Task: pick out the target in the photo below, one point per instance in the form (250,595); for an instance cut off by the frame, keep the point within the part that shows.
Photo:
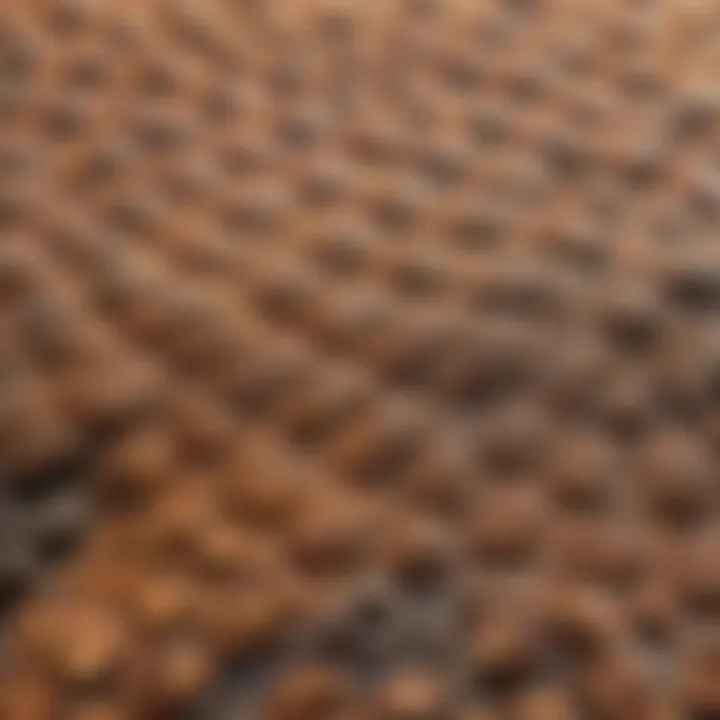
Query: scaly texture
(361,355)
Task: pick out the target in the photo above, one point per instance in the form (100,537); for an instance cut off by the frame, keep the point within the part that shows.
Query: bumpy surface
(360,360)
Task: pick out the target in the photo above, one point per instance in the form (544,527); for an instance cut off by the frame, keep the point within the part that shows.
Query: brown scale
(204,431)
(104,389)
(334,534)
(419,554)
(506,525)
(514,440)
(372,329)
(172,528)
(180,668)
(632,318)
(137,465)
(541,703)
(261,487)
(18,271)
(581,472)
(412,695)
(52,330)
(215,353)
(626,406)
(241,623)
(238,597)
(504,652)
(287,294)
(700,578)
(439,478)
(621,686)
(323,406)
(164,604)
(582,622)
(272,376)
(32,430)
(308,692)
(675,470)
(565,145)
(380,443)
(575,376)
(83,653)
(685,378)
(607,553)
(487,365)
(698,674)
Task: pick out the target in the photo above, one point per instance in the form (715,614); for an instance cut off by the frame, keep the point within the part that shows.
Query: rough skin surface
(360,360)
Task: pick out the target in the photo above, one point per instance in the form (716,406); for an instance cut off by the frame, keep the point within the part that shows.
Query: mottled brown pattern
(359,359)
